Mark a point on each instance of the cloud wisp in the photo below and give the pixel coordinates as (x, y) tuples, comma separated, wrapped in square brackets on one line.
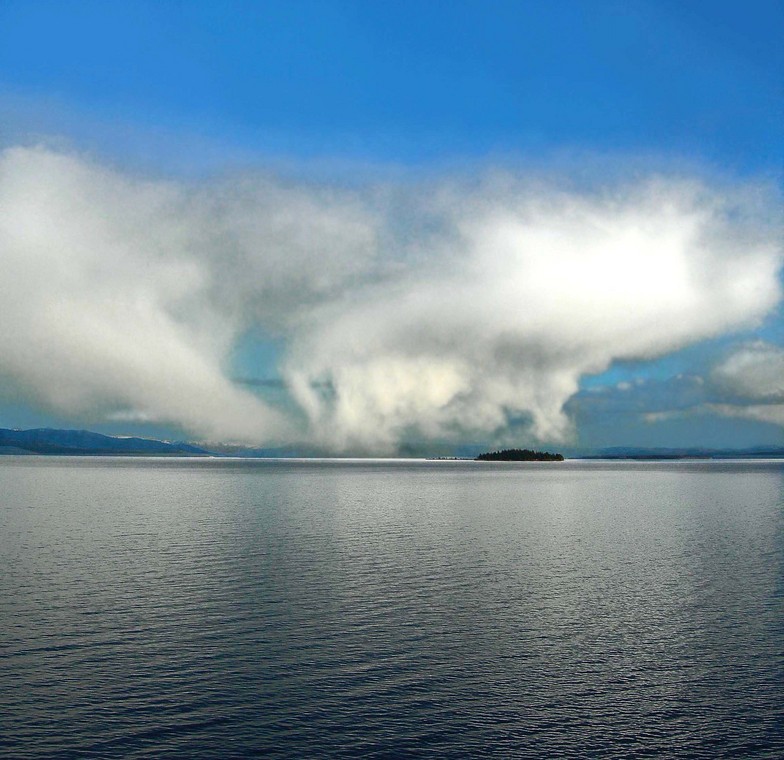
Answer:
[(442, 310)]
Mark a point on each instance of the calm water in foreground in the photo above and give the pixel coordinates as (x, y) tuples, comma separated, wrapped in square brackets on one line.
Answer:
[(192, 608)]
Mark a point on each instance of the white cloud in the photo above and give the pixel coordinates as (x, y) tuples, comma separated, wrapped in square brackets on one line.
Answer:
[(529, 290), (437, 311), (772, 413), (122, 295), (754, 371), (656, 417), (753, 376)]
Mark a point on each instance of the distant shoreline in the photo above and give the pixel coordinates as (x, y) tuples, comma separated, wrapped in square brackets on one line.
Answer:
[(56, 442)]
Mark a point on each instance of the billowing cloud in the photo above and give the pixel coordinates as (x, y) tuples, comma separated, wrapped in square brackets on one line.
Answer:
[(523, 292), (438, 311), (122, 297)]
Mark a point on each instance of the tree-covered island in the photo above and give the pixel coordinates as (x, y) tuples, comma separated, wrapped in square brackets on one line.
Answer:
[(519, 455)]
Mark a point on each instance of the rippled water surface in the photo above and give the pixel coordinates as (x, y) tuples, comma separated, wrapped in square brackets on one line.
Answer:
[(202, 608)]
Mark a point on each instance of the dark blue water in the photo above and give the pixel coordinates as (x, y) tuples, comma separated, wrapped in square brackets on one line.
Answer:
[(199, 609)]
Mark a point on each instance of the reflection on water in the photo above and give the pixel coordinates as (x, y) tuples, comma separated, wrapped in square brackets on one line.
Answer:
[(213, 608)]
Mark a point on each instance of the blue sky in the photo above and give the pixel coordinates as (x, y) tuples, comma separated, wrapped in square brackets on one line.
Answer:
[(357, 94), (408, 82)]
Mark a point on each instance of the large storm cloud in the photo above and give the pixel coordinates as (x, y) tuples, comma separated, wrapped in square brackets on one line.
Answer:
[(440, 310)]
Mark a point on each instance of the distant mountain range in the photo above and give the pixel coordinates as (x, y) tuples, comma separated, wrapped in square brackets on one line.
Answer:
[(85, 443), (623, 452)]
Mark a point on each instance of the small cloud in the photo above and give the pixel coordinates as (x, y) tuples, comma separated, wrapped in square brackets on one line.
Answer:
[(754, 371), (128, 415), (770, 413), (652, 418)]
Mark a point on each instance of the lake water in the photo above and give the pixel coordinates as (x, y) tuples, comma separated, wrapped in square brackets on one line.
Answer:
[(218, 608)]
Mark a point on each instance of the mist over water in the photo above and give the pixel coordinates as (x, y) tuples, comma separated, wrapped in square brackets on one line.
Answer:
[(219, 608)]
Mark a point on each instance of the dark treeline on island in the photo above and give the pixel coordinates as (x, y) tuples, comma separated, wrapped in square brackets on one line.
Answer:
[(519, 455)]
